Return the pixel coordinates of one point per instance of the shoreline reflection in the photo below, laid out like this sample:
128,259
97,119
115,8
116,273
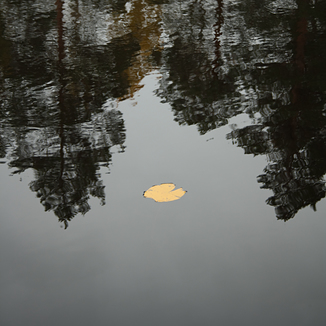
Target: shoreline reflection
61,62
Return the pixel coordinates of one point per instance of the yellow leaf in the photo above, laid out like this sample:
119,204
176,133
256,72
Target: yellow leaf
164,192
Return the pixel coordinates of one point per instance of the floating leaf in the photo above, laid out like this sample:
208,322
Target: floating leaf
164,192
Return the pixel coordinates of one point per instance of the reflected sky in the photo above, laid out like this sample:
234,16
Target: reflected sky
217,254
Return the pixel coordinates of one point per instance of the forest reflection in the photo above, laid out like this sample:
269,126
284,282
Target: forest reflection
65,65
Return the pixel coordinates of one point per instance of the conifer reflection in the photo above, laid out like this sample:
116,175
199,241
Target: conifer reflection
65,60
268,60
291,130
193,79
55,87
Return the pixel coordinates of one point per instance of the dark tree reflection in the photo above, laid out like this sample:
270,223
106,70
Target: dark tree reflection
56,112
195,84
293,134
64,65
265,59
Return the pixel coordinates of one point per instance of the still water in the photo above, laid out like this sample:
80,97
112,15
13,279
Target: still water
100,100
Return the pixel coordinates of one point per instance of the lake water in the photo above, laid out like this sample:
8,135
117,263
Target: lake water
101,100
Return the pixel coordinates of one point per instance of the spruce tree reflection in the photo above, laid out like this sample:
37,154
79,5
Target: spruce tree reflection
195,85
56,85
220,58
292,133
271,69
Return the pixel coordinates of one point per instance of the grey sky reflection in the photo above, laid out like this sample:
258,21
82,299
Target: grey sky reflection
218,256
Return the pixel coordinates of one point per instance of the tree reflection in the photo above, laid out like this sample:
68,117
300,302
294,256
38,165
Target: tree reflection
292,134
66,63
54,113
270,68
194,83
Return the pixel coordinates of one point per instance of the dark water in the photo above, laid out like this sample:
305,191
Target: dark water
100,100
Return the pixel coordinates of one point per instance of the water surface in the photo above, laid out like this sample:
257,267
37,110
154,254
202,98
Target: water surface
100,100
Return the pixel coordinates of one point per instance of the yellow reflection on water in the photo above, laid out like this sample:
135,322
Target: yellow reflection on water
144,21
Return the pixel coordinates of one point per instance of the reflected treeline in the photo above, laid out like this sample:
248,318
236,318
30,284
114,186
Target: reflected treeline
65,64
291,129
56,85
265,59
194,81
